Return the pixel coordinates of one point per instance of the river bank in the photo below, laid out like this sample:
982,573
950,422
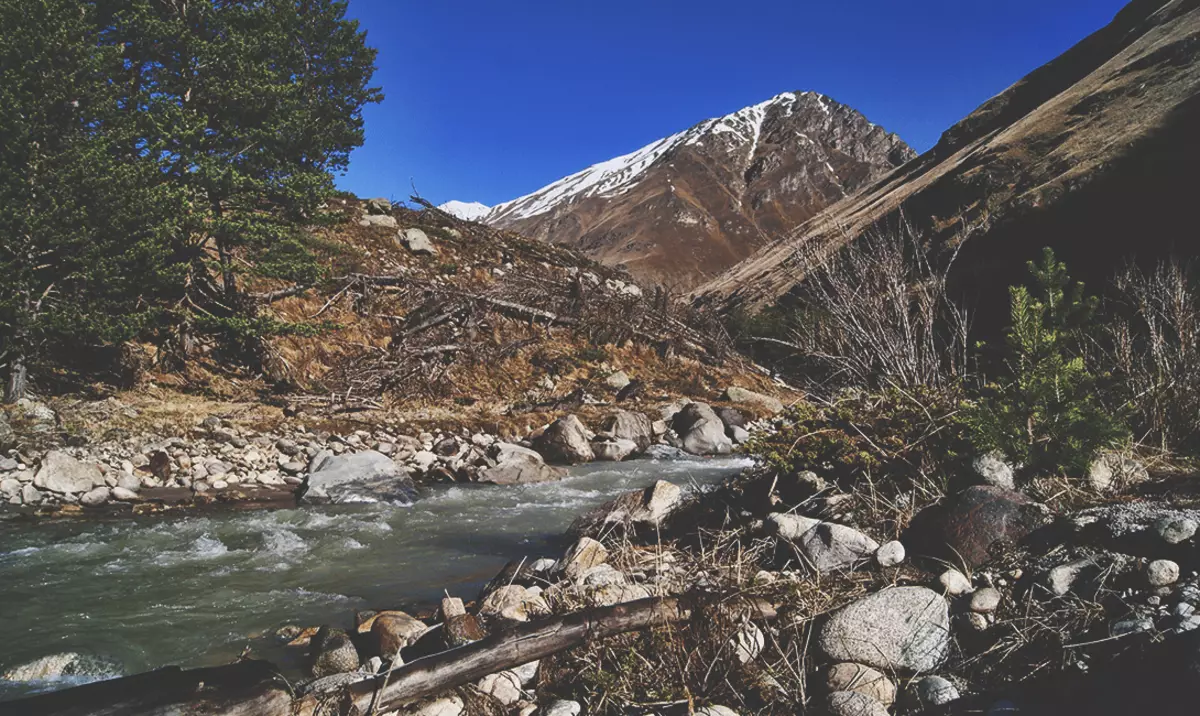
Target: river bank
197,590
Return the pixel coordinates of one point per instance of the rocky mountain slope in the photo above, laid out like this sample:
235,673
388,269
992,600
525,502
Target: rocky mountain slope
1092,154
688,206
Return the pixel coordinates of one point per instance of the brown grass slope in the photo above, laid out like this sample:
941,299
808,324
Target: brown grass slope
1093,154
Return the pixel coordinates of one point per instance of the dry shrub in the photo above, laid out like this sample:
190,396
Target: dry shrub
878,314
1153,351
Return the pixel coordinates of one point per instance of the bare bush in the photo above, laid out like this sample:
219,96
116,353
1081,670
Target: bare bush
1153,349
878,314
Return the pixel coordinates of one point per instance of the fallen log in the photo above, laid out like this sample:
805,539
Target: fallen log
253,688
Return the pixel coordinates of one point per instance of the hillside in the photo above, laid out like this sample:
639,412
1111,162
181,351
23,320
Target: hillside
690,205
1092,154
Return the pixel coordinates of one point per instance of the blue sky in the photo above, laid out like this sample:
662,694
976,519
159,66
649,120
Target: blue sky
488,100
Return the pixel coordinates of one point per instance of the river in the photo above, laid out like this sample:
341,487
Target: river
196,590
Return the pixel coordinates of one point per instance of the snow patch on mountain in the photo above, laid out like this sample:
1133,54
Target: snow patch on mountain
467,211
615,176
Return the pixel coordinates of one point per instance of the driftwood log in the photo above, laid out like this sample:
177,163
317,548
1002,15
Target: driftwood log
253,688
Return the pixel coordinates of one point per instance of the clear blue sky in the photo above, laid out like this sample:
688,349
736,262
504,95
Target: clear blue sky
488,100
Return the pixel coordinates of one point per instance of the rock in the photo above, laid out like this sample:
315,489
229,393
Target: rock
563,707
1175,530
862,679
8,438
852,703
625,425
57,666
995,471
461,629
378,206
985,601
448,704
969,525
64,474
391,631
646,509
424,460
566,441
715,710
1062,579
610,594
121,494
977,622
516,465
30,495
333,653
1162,573
732,417
381,220
129,481
10,487
826,546
1114,471
417,242
582,556
526,673
934,691
700,431
955,583
613,450
7,464
762,403
1131,626
739,436
505,687
748,643
514,603
896,629
95,497
360,477
617,380
890,554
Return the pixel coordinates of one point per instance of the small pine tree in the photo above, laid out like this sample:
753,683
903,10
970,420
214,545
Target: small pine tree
1046,417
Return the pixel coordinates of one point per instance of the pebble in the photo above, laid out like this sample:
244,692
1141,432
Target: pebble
934,691
862,679
955,583
977,621
1131,626
1183,610
986,600
890,554
1162,572
563,707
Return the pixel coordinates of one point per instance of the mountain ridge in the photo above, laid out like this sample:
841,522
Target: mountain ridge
691,204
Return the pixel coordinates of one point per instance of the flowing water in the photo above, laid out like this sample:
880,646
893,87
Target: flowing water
195,591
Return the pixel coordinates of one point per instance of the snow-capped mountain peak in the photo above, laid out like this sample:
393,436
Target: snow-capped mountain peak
467,211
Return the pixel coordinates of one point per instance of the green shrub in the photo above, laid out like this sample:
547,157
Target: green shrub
896,438
1046,416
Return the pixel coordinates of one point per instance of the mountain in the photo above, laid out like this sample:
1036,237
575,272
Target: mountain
1093,154
684,208
467,211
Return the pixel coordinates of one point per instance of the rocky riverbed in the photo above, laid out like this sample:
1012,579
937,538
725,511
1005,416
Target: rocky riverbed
218,463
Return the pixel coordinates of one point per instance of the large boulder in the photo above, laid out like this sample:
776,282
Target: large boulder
825,546
516,465
381,220
566,441
65,475
900,629
700,431
626,425
362,477
634,511
976,521
758,401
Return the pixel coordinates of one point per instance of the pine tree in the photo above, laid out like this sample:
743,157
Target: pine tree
85,250
253,105
1046,416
